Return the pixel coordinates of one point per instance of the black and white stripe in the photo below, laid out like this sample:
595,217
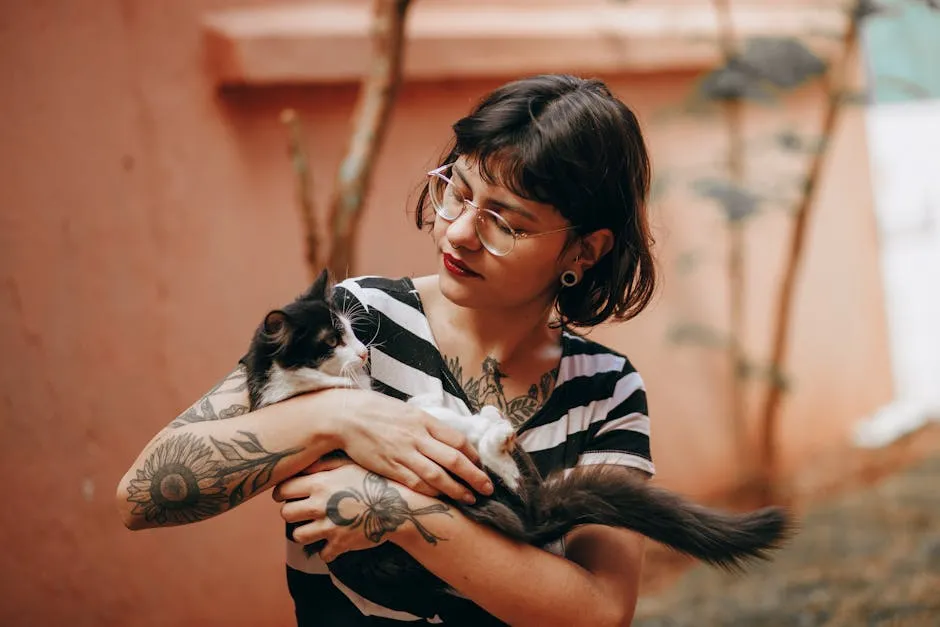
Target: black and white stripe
596,414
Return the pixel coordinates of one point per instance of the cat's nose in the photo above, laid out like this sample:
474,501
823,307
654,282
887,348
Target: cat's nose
363,355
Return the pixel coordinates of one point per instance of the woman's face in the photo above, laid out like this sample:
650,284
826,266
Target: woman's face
471,276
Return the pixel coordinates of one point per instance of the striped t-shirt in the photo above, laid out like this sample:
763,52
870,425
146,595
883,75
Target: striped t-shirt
595,414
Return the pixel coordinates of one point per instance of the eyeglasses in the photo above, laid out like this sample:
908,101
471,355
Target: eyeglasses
496,235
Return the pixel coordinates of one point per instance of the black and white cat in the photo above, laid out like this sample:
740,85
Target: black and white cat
309,345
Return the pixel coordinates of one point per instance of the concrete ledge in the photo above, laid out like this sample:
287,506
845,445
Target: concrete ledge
328,43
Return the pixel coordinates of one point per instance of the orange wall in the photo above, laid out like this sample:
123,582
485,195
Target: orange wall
148,221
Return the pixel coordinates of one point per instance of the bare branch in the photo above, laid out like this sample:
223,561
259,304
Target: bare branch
734,121
837,81
373,110
304,186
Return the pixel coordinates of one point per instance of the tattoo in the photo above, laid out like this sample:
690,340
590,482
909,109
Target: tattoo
204,410
488,390
385,510
184,481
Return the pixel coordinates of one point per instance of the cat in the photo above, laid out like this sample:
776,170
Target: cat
309,345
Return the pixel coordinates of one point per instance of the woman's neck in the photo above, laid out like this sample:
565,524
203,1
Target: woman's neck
501,333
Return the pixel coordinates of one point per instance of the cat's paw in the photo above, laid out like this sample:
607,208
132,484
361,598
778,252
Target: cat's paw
501,436
495,451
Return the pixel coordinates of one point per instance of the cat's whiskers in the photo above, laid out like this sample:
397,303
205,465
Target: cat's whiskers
351,310
357,313
354,312
378,325
354,373
354,316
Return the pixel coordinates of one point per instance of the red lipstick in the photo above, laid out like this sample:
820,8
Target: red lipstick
457,267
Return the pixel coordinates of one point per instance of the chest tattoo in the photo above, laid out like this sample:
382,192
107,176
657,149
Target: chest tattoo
487,389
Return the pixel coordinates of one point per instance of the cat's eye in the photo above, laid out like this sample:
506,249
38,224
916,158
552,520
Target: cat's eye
332,341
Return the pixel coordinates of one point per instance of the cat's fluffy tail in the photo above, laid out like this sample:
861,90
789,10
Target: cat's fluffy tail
607,496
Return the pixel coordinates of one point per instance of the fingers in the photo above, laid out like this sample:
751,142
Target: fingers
329,552
437,477
299,511
315,535
300,485
453,438
293,488
406,477
456,462
326,463
312,531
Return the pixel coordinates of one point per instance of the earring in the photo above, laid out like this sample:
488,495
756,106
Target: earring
569,278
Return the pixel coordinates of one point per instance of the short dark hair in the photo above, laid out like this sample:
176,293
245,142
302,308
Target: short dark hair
568,142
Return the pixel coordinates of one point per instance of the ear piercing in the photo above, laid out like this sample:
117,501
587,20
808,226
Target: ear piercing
569,278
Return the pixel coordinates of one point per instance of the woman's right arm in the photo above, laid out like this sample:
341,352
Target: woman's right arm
217,454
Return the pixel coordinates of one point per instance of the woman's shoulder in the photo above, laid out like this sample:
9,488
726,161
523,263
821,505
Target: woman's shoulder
375,282
368,289
589,357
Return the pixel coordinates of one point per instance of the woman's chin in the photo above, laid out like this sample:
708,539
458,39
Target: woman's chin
456,291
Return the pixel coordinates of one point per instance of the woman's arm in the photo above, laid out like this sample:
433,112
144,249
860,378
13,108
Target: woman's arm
217,454
352,509
596,584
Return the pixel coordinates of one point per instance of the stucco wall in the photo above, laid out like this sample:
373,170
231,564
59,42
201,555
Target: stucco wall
147,222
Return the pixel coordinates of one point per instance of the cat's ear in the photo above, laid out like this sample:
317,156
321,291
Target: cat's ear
320,288
277,327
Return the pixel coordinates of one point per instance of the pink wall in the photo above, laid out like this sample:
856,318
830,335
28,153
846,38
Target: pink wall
148,221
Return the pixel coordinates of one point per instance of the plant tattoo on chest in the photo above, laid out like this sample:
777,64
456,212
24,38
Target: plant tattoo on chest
487,389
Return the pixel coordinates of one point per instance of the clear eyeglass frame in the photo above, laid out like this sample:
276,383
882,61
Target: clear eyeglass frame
495,233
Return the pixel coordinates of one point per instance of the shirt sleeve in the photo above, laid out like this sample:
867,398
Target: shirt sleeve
622,437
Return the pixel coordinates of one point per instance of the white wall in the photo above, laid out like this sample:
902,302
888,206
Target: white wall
904,139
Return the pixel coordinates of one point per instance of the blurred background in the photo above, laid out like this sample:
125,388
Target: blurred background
151,213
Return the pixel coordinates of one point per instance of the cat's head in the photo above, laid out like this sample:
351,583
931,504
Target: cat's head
310,333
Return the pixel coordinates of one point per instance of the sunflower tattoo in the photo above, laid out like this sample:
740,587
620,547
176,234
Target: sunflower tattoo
180,483
385,510
186,480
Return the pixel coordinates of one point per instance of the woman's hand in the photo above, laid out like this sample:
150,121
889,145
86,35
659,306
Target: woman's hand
399,441
349,508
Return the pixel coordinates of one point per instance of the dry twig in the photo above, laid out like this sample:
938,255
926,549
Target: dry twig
837,82
734,120
372,113
304,189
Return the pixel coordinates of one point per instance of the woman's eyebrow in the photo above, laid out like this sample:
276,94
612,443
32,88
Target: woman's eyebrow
508,207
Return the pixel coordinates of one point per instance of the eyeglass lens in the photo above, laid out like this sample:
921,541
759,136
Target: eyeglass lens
494,232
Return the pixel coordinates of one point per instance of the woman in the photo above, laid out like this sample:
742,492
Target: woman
538,218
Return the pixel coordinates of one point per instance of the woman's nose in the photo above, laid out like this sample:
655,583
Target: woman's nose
462,232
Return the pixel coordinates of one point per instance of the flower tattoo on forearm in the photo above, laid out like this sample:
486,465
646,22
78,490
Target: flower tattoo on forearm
188,478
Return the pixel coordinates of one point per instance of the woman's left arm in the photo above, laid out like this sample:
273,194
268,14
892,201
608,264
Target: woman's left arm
352,509
596,584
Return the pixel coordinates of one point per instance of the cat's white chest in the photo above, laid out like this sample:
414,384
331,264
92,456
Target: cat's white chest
284,383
